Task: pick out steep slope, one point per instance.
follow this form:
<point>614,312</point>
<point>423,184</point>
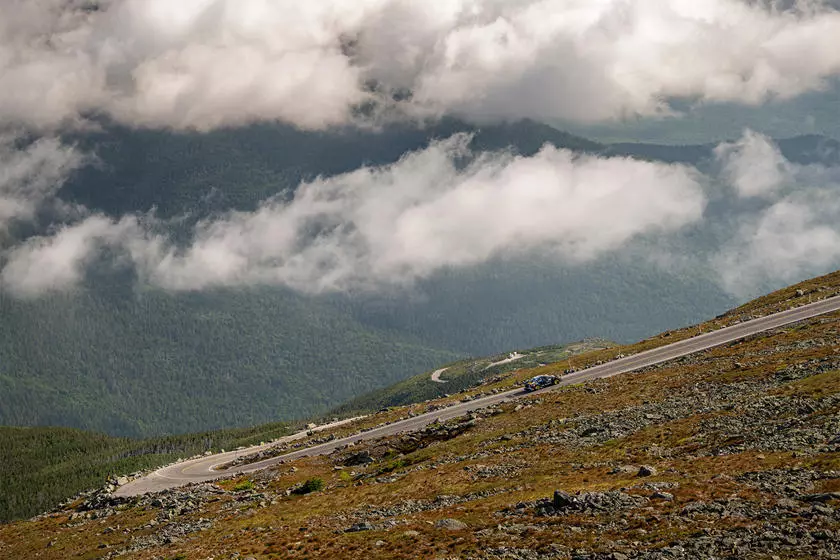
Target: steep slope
<point>121,358</point>
<point>152,363</point>
<point>44,466</point>
<point>237,168</point>
<point>461,375</point>
<point>729,453</point>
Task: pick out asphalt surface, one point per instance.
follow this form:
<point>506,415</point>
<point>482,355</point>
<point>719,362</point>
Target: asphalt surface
<point>436,375</point>
<point>204,468</point>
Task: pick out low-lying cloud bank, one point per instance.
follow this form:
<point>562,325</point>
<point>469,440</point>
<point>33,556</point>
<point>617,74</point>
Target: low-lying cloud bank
<point>204,64</point>
<point>795,234</point>
<point>30,175</point>
<point>208,63</point>
<point>441,208</point>
<point>390,225</point>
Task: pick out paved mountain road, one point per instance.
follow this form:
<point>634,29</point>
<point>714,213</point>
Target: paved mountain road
<point>436,375</point>
<point>204,468</point>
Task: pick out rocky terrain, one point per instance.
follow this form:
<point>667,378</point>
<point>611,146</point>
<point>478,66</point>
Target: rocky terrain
<point>729,453</point>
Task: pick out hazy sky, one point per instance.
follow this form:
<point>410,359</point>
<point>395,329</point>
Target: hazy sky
<point>204,64</point>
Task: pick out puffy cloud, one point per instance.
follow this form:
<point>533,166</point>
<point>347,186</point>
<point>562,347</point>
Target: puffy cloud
<point>209,63</point>
<point>31,174</point>
<point>794,235</point>
<point>192,63</point>
<point>391,225</point>
<point>57,262</point>
<point>602,59</point>
<point>445,207</point>
<point>754,165</point>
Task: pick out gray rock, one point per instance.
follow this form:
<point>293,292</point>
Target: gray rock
<point>451,524</point>
<point>646,470</point>
<point>822,497</point>
<point>667,496</point>
<point>357,459</point>
<point>563,500</point>
<point>363,526</point>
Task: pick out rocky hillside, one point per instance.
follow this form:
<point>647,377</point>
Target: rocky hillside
<point>729,453</point>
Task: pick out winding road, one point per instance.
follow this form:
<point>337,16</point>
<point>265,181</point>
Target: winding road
<point>436,375</point>
<point>204,468</point>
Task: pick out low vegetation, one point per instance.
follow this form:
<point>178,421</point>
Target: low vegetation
<point>310,485</point>
<point>731,452</point>
<point>44,466</point>
<point>467,373</point>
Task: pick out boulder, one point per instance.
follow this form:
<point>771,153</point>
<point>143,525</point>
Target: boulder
<point>646,470</point>
<point>563,500</point>
<point>360,458</point>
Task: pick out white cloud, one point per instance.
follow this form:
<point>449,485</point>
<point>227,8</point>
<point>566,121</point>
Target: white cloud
<point>444,207</point>
<point>795,235</point>
<point>754,165</point>
<point>394,224</point>
<point>30,175</point>
<point>57,262</point>
<point>794,239</point>
<point>191,63</point>
<point>210,63</point>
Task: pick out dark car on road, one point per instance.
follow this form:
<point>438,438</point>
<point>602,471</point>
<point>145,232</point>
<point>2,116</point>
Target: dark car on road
<point>540,382</point>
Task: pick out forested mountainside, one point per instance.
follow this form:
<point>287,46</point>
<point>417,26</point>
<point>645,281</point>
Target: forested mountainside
<point>201,173</point>
<point>43,466</point>
<point>127,359</point>
<point>730,452</point>
<point>151,363</point>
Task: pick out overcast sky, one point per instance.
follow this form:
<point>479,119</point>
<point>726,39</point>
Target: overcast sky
<point>204,64</point>
<point>208,63</point>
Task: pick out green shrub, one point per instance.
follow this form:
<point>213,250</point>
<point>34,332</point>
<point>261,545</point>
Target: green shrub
<point>244,485</point>
<point>311,485</point>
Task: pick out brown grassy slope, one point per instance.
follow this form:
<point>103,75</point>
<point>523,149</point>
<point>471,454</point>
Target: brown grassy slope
<point>745,427</point>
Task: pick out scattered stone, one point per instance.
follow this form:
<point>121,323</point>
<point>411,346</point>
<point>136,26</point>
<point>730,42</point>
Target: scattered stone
<point>646,470</point>
<point>563,500</point>
<point>451,524</point>
<point>363,526</point>
<point>358,459</point>
<point>823,497</point>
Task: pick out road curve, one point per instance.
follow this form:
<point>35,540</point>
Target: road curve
<point>436,375</point>
<point>204,468</point>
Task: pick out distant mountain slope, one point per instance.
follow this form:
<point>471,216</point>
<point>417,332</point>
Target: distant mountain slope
<point>806,149</point>
<point>199,173</point>
<point>127,360</point>
<point>757,416</point>
<point>42,466</point>
<point>153,363</point>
